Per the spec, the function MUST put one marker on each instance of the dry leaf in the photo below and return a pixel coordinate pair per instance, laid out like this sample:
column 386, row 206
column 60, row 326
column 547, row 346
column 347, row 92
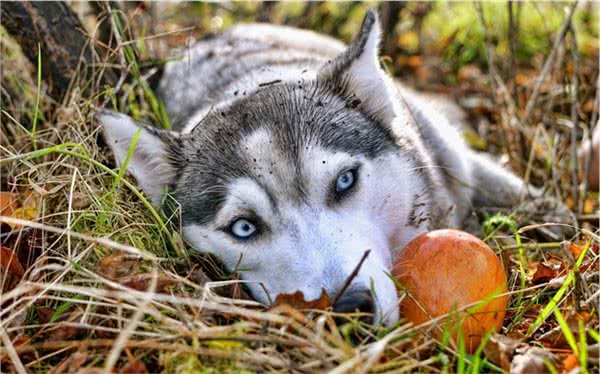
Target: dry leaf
column 469, row 72
column 30, row 207
column 44, row 313
column 141, row 282
column 297, row 301
column 65, row 332
column 10, row 262
column 546, row 271
column 570, row 362
column 71, row 364
column 62, row 331
column 8, row 203
column 134, row 367
column 500, row 350
column 116, row 265
column 531, row 360
column 576, row 249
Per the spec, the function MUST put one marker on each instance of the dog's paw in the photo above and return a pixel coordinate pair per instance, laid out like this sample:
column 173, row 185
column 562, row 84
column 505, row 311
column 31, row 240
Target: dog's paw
column 556, row 220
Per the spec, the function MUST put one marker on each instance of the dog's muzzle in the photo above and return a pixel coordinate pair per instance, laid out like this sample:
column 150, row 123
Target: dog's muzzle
column 353, row 301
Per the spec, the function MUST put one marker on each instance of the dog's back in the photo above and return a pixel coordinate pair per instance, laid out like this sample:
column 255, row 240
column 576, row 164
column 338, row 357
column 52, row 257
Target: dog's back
column 233, row 64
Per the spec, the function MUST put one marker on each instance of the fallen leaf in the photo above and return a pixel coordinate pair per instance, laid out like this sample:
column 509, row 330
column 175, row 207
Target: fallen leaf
column 65, row 332
column 134, row 367
column 44, row 313
column 500, row 350
column 544, row 272
column 8, row 203
column 116, row 265
column 469, row 72
column 141, row 282
column 29, row 208
column 297, row 301
column 10, row 262
column 71, row 364
column 529, row 359
column 576, row 249
column 570, row 362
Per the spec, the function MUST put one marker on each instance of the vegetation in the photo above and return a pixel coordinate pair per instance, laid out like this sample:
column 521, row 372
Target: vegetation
column 93, row 277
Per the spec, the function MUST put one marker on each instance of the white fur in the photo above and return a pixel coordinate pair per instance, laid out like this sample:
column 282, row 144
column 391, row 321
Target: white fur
column 148, row 162
column 310, row 246
column 368, row 81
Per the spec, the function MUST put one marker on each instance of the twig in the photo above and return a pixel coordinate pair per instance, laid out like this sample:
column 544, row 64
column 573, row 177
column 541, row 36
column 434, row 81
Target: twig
column 123, row 338
column 351, row 277
column 542, row 76
column 574, row 116
column 12, row 353
column 512, row 37
column 496, row 81
column 101, row 241
column 489, row 49
column 257, row 358
column 588, row 155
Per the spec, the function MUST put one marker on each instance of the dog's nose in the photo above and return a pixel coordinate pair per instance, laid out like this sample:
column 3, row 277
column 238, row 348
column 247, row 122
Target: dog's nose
column 355, row 301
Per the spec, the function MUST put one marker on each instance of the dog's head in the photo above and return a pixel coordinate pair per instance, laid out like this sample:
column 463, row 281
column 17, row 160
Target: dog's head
column 292, row 184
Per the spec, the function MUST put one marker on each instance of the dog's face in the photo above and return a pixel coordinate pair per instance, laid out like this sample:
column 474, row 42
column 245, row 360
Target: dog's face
column 291, row 185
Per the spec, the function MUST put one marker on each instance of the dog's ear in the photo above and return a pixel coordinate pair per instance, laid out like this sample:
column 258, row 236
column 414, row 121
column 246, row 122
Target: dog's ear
column 357, row 72
column 151, row 160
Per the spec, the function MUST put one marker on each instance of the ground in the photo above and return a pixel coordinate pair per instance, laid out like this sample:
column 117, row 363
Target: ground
column 93, row 277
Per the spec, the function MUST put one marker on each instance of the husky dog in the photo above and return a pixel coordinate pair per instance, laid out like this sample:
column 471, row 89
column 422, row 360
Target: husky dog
column 292, row 154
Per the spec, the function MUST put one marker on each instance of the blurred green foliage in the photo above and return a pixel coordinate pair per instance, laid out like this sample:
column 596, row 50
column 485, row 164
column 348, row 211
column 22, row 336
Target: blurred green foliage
column 450, row 30
column 459, row 26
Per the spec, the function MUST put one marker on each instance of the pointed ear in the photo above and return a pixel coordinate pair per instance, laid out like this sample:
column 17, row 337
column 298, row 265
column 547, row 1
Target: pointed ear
column 150, row 162
column 357, row 72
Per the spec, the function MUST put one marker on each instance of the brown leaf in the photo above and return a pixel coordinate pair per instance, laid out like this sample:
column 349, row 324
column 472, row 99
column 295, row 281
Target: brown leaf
column 10, row 262
column 576, row 249
column 44, row 313
column 544, row 273
column 71, row 364
column 134, row 367
column 141, row 282
column 29, row 247
column 469, row 72
column 116, row 265
column 500, row 350
column 297, row 301
column 29, row 208
column 570, row 362
column 65, row 332
column 529, row 359
column 8, row 203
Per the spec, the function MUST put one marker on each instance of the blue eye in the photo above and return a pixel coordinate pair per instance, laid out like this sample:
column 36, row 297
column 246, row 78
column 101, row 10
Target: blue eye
column 243, row 229
column 345, row 181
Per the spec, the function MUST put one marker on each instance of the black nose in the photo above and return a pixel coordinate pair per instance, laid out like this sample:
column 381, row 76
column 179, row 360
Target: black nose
column 355, row 301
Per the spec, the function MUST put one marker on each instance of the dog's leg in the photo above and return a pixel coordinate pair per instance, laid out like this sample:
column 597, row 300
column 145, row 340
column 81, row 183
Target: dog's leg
column 498, row 188
column 495, row 187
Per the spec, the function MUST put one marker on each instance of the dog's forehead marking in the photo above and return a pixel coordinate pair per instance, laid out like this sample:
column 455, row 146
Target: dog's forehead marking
column 284, row 179
column 271, row 167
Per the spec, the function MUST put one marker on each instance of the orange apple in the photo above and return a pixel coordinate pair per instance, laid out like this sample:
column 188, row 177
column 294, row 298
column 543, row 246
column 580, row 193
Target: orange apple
column 445, row 270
